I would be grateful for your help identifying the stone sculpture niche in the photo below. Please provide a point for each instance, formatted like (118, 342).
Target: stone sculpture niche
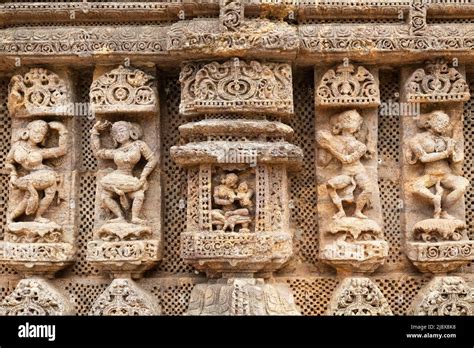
(237, 201)
(350, 226)
(41, 215)
(349, 213)
(433, 183)
(125, 140)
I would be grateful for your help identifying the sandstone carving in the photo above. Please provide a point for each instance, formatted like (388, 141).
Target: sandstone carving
(35, 297)
(351, 240)
(39, 92)
(236, 86)
(418, 18)
(125, 297)
(241, 296)
(445, 296)
(123, 90)
(346, 86)
(358, 296)
(29, 155)
(231, 14)
(437, 82)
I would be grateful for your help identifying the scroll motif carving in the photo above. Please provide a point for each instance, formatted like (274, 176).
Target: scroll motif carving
(445, 296)
(348, 86)
(39, 92)
(231, 14)
(125, 297)
(418, 17)
(437, 82)
(123, 89)
(358, 296)
(236, 86)
(35, 297)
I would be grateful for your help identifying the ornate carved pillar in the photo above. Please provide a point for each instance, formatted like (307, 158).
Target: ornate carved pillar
(349, 213)
(41, 217)
(126, 141)
(434, 226)
(237, 204)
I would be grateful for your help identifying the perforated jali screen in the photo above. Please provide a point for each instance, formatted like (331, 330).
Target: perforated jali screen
(172, 280)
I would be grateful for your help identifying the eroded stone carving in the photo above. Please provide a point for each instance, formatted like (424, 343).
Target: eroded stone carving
(418, 17)
(231, 14)
(439, 243)
(445, 296)
(358, 296)
(437, 82)
(348, 86)
(40, 178)
(350, 239)
(125, 297)
(236, 86)
(35, 297)
(120, 186)
(123, 89)
(241, 296)
(37, 93)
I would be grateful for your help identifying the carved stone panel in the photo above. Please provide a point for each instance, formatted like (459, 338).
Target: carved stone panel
(358, 296)
(127, 233)
(36, 297)
(445, 296)
(40, 92)
(125, 297)
(123, 90)
(236, 86)
(433, 181)
(349, 212)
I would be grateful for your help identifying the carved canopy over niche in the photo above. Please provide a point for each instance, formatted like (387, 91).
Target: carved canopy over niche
(236, 86)
(349, 86)
(39, 92)
(123, 89)
(437, 82)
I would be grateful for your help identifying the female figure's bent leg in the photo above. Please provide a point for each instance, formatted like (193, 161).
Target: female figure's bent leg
(338, 183)
(108, 202)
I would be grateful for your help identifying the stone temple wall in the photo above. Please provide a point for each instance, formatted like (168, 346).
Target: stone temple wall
(255, 119)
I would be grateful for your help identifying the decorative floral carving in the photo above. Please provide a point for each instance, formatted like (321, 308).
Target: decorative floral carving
(125, 297)
(236, 86)
(38, 92)
(418, 17)
(358, 296)
(35, 297)
(241, 296)
(123, 90)
(445, 296)
(437, 82)
(348, 86)
(231, 14)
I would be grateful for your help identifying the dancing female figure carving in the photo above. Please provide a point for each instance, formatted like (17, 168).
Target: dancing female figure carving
(29, 154)
(343, 145)
(121, 183)
(440, 154)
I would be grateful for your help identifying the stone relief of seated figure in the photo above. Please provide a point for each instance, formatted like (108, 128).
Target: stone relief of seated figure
(234, 202)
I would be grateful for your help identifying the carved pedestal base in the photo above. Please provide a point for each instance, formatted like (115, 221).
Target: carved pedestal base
(36, 258)
(360, 256)
(125, 297)
(123, 231)
(358, 296)
(125, 257)
(33, 232)
(217, 252)
(36, 297)
(440, 257)
(242, 296)
(445, 296)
